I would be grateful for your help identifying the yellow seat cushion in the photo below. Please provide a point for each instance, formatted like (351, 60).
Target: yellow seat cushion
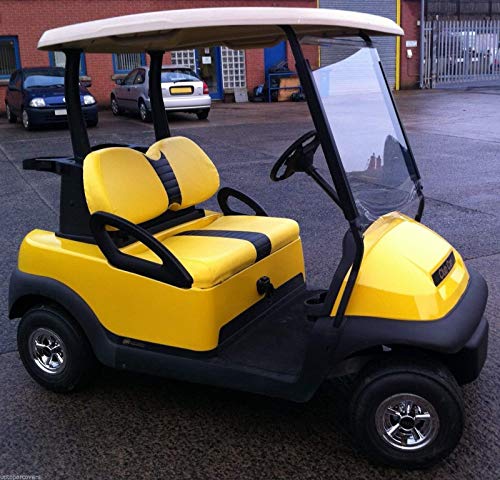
(195, 174)
(212, 259)
(121, 181)
(280, 231)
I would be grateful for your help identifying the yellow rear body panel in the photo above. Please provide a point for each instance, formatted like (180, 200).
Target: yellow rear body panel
(395, 278)
(137, 307)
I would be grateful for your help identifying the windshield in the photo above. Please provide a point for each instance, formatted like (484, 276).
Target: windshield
(178, 75)
(366, 130)
(44, 78)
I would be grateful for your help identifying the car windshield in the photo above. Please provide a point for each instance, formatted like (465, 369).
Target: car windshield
(366, 129)
(43, 78)
(174, 75)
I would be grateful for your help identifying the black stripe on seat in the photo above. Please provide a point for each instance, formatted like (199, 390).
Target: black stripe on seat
(168, 178)
(261, 242)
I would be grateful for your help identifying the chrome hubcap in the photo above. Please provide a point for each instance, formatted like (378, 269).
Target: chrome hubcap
(143, 111)
(26, 120)
(7, 111)
(114, 106)
(47, 351)
(407, 422)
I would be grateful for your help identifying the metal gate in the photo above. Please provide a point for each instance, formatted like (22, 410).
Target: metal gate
(461, 51)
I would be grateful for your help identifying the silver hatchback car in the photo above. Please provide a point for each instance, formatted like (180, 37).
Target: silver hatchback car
(183, 91)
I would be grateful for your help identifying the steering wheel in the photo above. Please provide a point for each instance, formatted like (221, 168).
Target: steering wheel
(298, 157)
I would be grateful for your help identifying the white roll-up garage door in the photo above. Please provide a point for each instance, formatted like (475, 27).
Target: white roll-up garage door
(386, 46)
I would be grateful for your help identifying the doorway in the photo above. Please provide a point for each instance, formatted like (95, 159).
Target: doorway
(274, 55)
(208, 63)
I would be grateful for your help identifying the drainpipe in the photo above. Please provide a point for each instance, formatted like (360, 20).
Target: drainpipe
(422, 37)
(398, 46)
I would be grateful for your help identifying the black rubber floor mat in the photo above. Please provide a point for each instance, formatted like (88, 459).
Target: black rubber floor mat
(277, 342)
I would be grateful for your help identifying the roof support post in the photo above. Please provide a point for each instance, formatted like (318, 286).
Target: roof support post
(158, 112)
(73, 211)
(76, 122)
(322, 126)
(339, 178)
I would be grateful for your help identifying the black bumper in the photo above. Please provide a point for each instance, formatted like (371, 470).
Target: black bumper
(46, 115)
(466, 365)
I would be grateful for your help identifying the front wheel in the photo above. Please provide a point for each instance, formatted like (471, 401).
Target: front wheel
(54, 350)
(26, 121)
(407, 414)
(144, 113)
(115, 108)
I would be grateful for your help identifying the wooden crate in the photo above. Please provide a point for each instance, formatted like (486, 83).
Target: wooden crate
(289, 83)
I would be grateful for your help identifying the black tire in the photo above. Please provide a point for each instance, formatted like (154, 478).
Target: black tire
(203, 114)
(144, 113)
(115, 108)
(79, 364)
(11, 118)
(93, 123)
(26, 121)
(428, 384)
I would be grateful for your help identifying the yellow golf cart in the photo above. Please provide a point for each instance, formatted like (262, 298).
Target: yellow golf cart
(139, 278)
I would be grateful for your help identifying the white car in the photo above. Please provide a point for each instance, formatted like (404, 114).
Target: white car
(183, 91)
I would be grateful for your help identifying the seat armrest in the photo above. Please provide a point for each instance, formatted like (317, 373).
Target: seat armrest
(170, 270)
(226, 192)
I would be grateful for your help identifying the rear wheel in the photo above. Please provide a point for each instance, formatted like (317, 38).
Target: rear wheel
(93, 123)
(203, 114)
(54, 350)
(407, 414)
(115, 108)
(11, 118)
(144, 113)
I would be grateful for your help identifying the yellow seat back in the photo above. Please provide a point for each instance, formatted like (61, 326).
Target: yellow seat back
(194, 172)
(121, 181)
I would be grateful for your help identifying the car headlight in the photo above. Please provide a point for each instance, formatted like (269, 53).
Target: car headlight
(88, 100)
(37, 102)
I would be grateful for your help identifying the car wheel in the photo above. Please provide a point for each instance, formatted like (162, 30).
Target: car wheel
(93, 123)
(54, 349)
(25, 118)
(144, 113)
(115, 109)
(407, 414)
(11, 118)
(203, 114)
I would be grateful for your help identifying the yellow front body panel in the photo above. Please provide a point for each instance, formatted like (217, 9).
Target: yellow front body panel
(137, 307)
(395, 278)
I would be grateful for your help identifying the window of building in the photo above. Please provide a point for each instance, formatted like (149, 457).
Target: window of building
(9, 56)
(184, 57)
(58, 59)
(233, 65)
(233, 68)
(124, 62)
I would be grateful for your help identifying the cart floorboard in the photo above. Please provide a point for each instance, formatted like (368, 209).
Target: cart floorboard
(276, 342)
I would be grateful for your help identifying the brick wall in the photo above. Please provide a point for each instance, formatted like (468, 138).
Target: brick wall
(30, 18)
(255, 63)
(409, 67)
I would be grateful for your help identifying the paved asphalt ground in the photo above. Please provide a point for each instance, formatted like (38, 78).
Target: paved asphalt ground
(131, 426)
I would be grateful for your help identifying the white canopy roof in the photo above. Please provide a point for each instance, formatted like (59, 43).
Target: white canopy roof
(234, 27)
